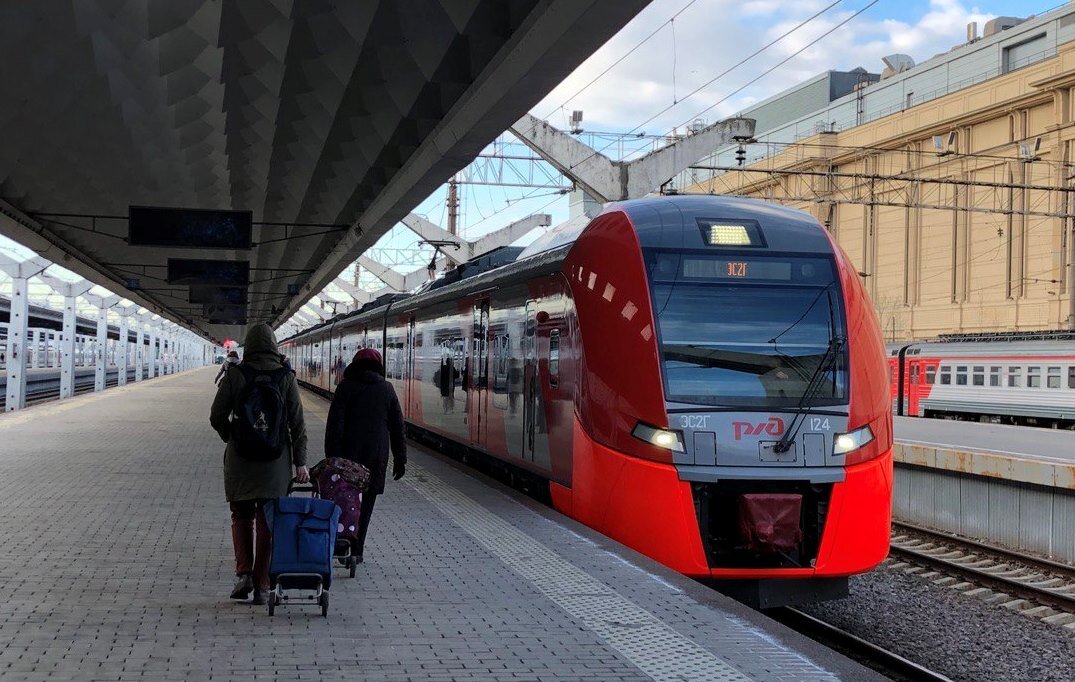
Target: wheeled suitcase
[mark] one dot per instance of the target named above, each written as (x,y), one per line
(303,538)
(331,486)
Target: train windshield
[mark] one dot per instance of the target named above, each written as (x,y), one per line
(749,331)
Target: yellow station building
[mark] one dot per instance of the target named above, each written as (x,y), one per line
(951,183)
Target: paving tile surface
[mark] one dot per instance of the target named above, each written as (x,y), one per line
(116,565)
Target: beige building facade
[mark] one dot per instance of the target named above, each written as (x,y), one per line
(957,211)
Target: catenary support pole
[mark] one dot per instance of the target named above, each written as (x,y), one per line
(100,356)
(123,345)
(16,344)
(67,348)
(18,325)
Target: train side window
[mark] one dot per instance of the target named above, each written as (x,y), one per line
(994,376)
(946,375)
(1033,377)
(978,377)
(1071,377)
(961,375)
(554,357)
(1052,378)
(931,375)
(1015,377)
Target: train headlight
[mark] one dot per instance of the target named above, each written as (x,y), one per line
(848,442)
(662,438)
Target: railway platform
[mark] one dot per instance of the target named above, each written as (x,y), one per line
(1012,486)
(117,565)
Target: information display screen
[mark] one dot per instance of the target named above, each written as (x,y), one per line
(713,268)
(189,228)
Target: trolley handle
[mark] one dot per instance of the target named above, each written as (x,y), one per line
(293,486)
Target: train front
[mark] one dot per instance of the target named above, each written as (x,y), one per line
(752,435)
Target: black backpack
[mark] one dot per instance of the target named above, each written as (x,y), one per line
(260,427)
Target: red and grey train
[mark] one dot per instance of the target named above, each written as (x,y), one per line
(1015,381)
(700,378)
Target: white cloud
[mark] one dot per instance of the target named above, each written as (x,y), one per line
(711,36)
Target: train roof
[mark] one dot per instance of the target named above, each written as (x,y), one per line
(1013,348)
(783,229)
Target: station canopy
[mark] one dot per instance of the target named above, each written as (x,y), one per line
(299,132)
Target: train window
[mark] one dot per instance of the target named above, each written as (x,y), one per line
(1052,379)
(931,375)
(1015,377)
(554,356)
(961,375)
(1071,377)
(994,376)
(946,375)
(978,377)
(1033,377)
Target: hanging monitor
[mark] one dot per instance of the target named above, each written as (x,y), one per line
(223,272)
(189,228)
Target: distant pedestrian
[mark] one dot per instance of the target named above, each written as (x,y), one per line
(365,423)
(232,359)
(445,379)
(257,412)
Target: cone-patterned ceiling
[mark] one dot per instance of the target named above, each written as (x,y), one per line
(301,111)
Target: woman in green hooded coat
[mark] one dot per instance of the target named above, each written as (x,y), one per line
(249,483)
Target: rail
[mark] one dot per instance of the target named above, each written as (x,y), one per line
(888,663)
(1038,580)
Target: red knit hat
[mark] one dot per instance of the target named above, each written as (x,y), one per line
(370,354)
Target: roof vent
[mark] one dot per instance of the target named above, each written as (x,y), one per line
(972,31)
(1000,24)
(896,63)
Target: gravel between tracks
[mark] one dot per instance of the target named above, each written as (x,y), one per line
(959,636)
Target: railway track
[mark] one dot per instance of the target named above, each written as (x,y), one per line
(886,662)
(1046,588)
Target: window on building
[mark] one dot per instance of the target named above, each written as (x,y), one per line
(1052,378)
(994,376)
(961,375)
(1071,377)
(978,377)
(1033,377)
(946,376)
(1025,53)
(931,375)
(1015,377)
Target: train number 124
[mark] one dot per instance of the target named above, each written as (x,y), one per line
(820,424)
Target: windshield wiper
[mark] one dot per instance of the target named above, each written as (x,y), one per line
(829,358)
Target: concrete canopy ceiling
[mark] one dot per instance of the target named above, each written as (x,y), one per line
(329,120)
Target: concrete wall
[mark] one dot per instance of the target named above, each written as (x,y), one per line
(1022,503)
(1022,516)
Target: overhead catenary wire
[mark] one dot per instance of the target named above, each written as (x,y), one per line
(741,63)
(787,59)
(622,57)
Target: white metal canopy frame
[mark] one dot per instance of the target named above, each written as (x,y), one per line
(170,348)
(327,121)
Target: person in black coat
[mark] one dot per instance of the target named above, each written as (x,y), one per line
(364,423)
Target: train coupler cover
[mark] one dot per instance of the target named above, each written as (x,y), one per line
(769,522)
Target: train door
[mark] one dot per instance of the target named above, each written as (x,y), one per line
(531,386)
(479,373)
(911,391)
(412,391)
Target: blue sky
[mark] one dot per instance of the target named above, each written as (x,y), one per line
(706,38)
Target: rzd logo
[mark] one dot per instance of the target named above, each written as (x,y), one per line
(774,427)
